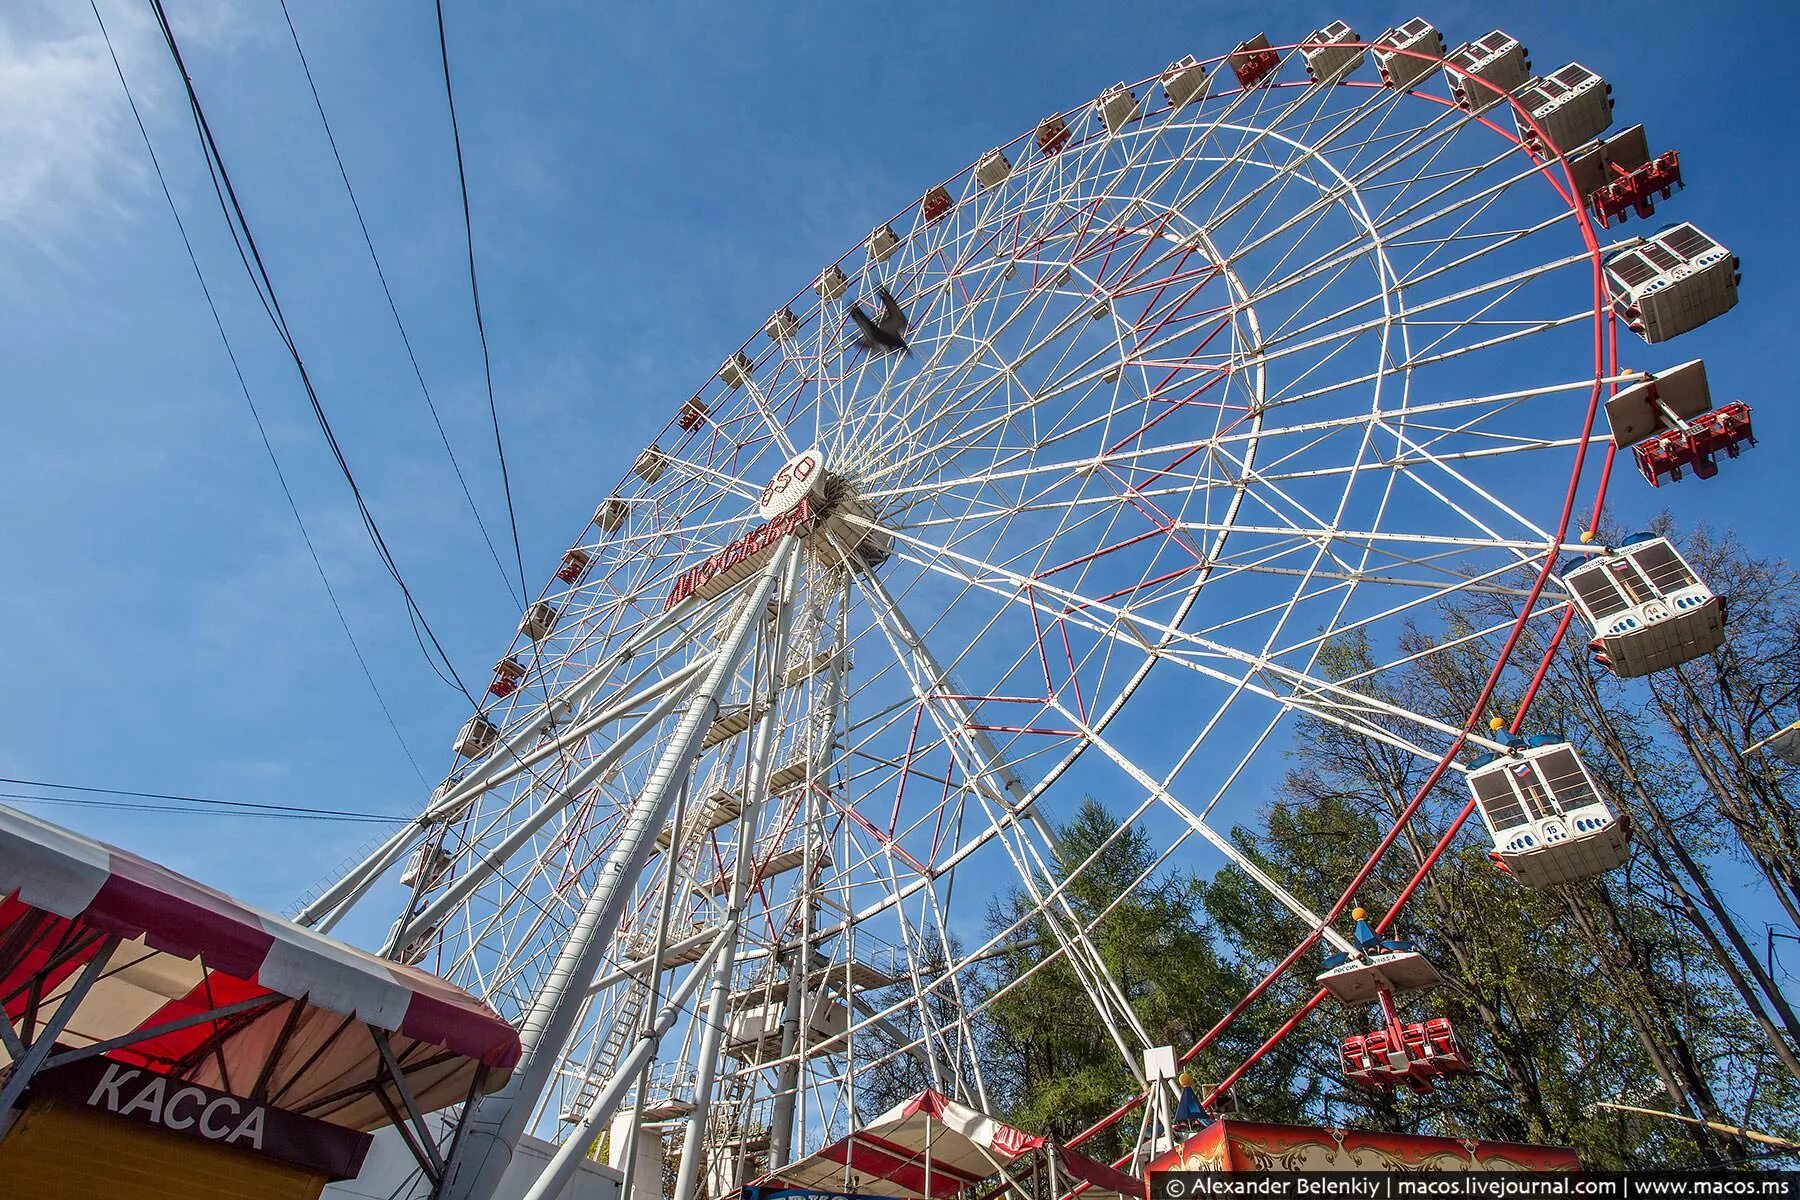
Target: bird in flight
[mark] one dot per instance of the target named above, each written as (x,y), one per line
(885,331)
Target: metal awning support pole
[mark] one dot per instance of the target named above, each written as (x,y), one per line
(498,1120)
(712,1026)
(45,1041)
(561,1169)
(433,1162)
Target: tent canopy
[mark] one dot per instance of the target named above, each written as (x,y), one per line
(931,1147)
(195,985)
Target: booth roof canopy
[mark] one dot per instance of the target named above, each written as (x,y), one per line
(186,948)
(930,1147)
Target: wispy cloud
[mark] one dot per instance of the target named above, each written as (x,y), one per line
(64,123)
(74,161)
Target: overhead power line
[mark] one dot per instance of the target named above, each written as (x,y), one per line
(255,415)
(399,324)
(183,803)
(487,365)
(251,256)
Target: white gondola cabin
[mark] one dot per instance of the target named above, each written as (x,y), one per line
(992,169)
(427,867)
(734,372)
(782,326)
(831,283)
(1785,743)
(1484,72)
(650,465)
(610,515)
(883,242)
(1116,106)
(1646,607)
(417,946)
(1571,105)
(1185,79)
(1548,821)
(1328,59)
(538,621)
(1672,282)
(1407,53)
(476,737)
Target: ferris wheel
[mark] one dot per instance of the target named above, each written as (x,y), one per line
(1065,481)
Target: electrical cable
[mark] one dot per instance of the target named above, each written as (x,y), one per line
(250,253)
(116,805)
(386,291)
(487,365)
(247,805)
(255,415)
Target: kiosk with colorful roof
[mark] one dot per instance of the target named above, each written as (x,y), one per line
(159,1034)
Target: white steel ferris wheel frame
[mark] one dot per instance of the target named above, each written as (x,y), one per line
(1000,571)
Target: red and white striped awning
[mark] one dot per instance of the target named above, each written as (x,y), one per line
(187,950)
(931,1147)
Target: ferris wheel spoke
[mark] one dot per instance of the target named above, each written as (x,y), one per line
(1300,689)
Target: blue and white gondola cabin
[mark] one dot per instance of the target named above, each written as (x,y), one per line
(1646,607)
(1548,820)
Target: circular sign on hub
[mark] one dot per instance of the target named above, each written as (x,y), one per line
(803,476)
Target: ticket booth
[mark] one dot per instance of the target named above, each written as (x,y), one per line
(162,1039)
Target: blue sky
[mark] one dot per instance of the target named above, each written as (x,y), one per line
(648,183)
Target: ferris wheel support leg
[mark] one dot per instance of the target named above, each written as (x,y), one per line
(787,1077)
(561,1169)
(719,998)
(1103,991)
(492,861)
(497,1121)
(330,907)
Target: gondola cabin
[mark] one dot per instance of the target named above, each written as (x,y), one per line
(538,621)
(574,565)
(1414,1053)
(1407,53)
(427,867)
(782,326)
(1484,72)
(1547,819)
(610,515)
(1116,106)
(993,168)
(1785,744)
(1671,282)
(650,465)
(476,737)
(734,372)
(1185,79)
(1564,109)
(507,674)
(1332,53)
(1253,61)
(1646,607)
